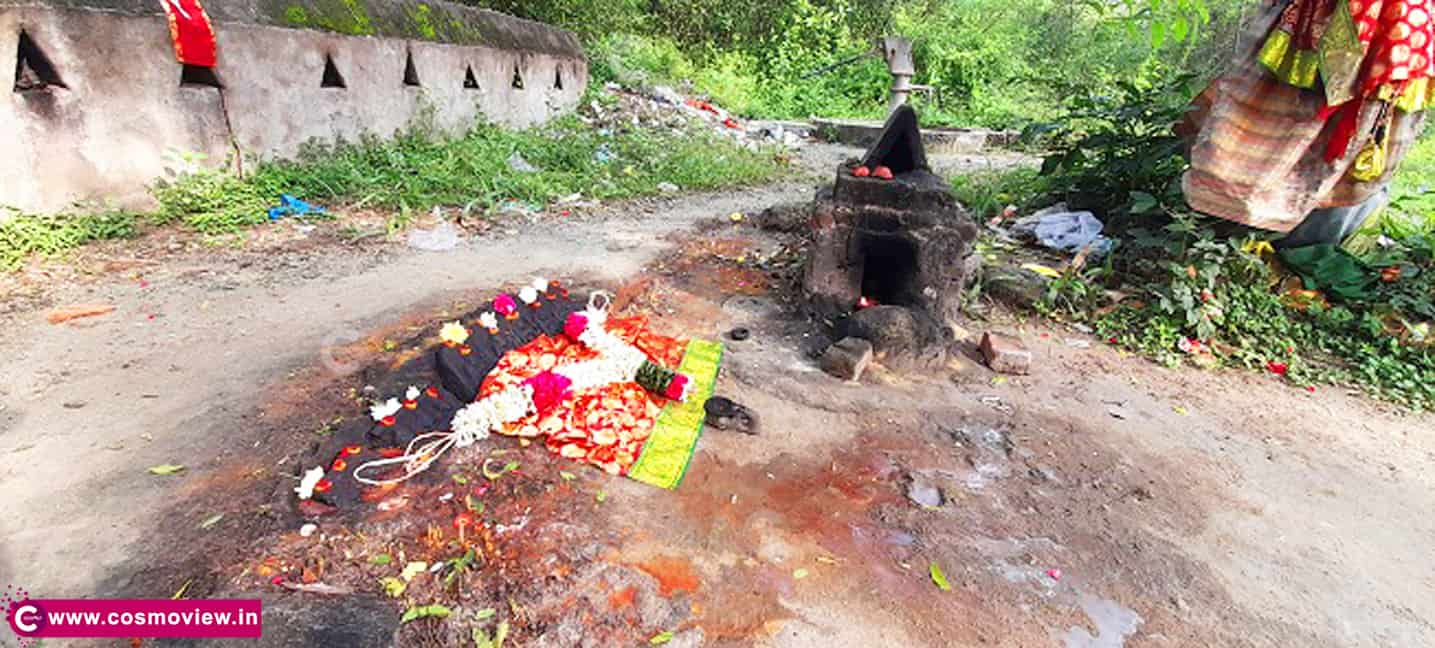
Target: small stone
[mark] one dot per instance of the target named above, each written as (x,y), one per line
(667,187)
(848,358)
(923,493)
(1005,353)
(308,529)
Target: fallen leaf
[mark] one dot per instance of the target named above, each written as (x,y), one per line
(1179,410)
(567,476)
(393,587)
(182,589)
(661,638)
(422,611)
(380,559)
(602,496)
(799,573)
(211,520)
(1041,270)
(938,577)
(67,313)
(485,614)
(166,469)
(999,380)
(413,569)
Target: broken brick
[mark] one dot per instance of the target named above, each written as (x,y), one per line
(1005,353)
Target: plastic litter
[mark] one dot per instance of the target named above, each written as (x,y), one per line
(291,206)
(1068,231)
(517,163)
(604,154)
(441,238)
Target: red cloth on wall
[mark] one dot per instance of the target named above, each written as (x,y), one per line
(191,32)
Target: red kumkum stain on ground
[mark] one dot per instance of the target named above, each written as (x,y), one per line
(673,574)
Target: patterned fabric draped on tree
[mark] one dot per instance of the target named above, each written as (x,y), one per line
(1323,102)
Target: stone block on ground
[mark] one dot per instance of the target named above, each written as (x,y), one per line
(1005,353)
(848,358)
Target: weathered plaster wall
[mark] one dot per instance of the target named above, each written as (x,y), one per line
(125,114)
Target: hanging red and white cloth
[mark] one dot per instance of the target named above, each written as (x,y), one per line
(191,32)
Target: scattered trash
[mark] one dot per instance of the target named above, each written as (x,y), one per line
(441,238)
(604,154)
(291,206)
(799,573)
(923,493)
(995,402)
(938,577)
(668,187)
(517,163)
(661,638)
(1063,230)
(308,530)
(1054,574)
(211,521)
(67,313)
(736,217)
(1118,412)
(724,414)
(316,588)
(1179,410)
(166,469)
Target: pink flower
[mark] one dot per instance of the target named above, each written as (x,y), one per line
(1189,345)
(575,325)
(678,388)
(505,305)
(549,389)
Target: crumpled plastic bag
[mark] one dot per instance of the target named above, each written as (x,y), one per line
(441,238)
(1068,231)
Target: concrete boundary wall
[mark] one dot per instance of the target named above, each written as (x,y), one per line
(124,114)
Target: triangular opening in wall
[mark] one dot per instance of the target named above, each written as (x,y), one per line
(332,78)
(411,75)
(558,78)
(198,76)
(900,146)
(33,70)
(517,78)
(470,82)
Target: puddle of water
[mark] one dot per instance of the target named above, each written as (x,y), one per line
(1114,623)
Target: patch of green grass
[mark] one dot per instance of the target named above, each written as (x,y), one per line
(416,172)
(22,235)
(413,173)
(987,193)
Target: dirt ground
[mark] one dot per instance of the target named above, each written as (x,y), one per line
(1102,501)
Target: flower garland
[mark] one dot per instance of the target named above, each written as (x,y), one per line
(617,361)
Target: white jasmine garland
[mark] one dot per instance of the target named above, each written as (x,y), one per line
(305,490)
(412,394)
(488,321)
(380,411)
(540,284)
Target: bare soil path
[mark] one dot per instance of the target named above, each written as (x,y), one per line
(1102,501)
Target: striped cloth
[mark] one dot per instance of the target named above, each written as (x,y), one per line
(1258,153)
